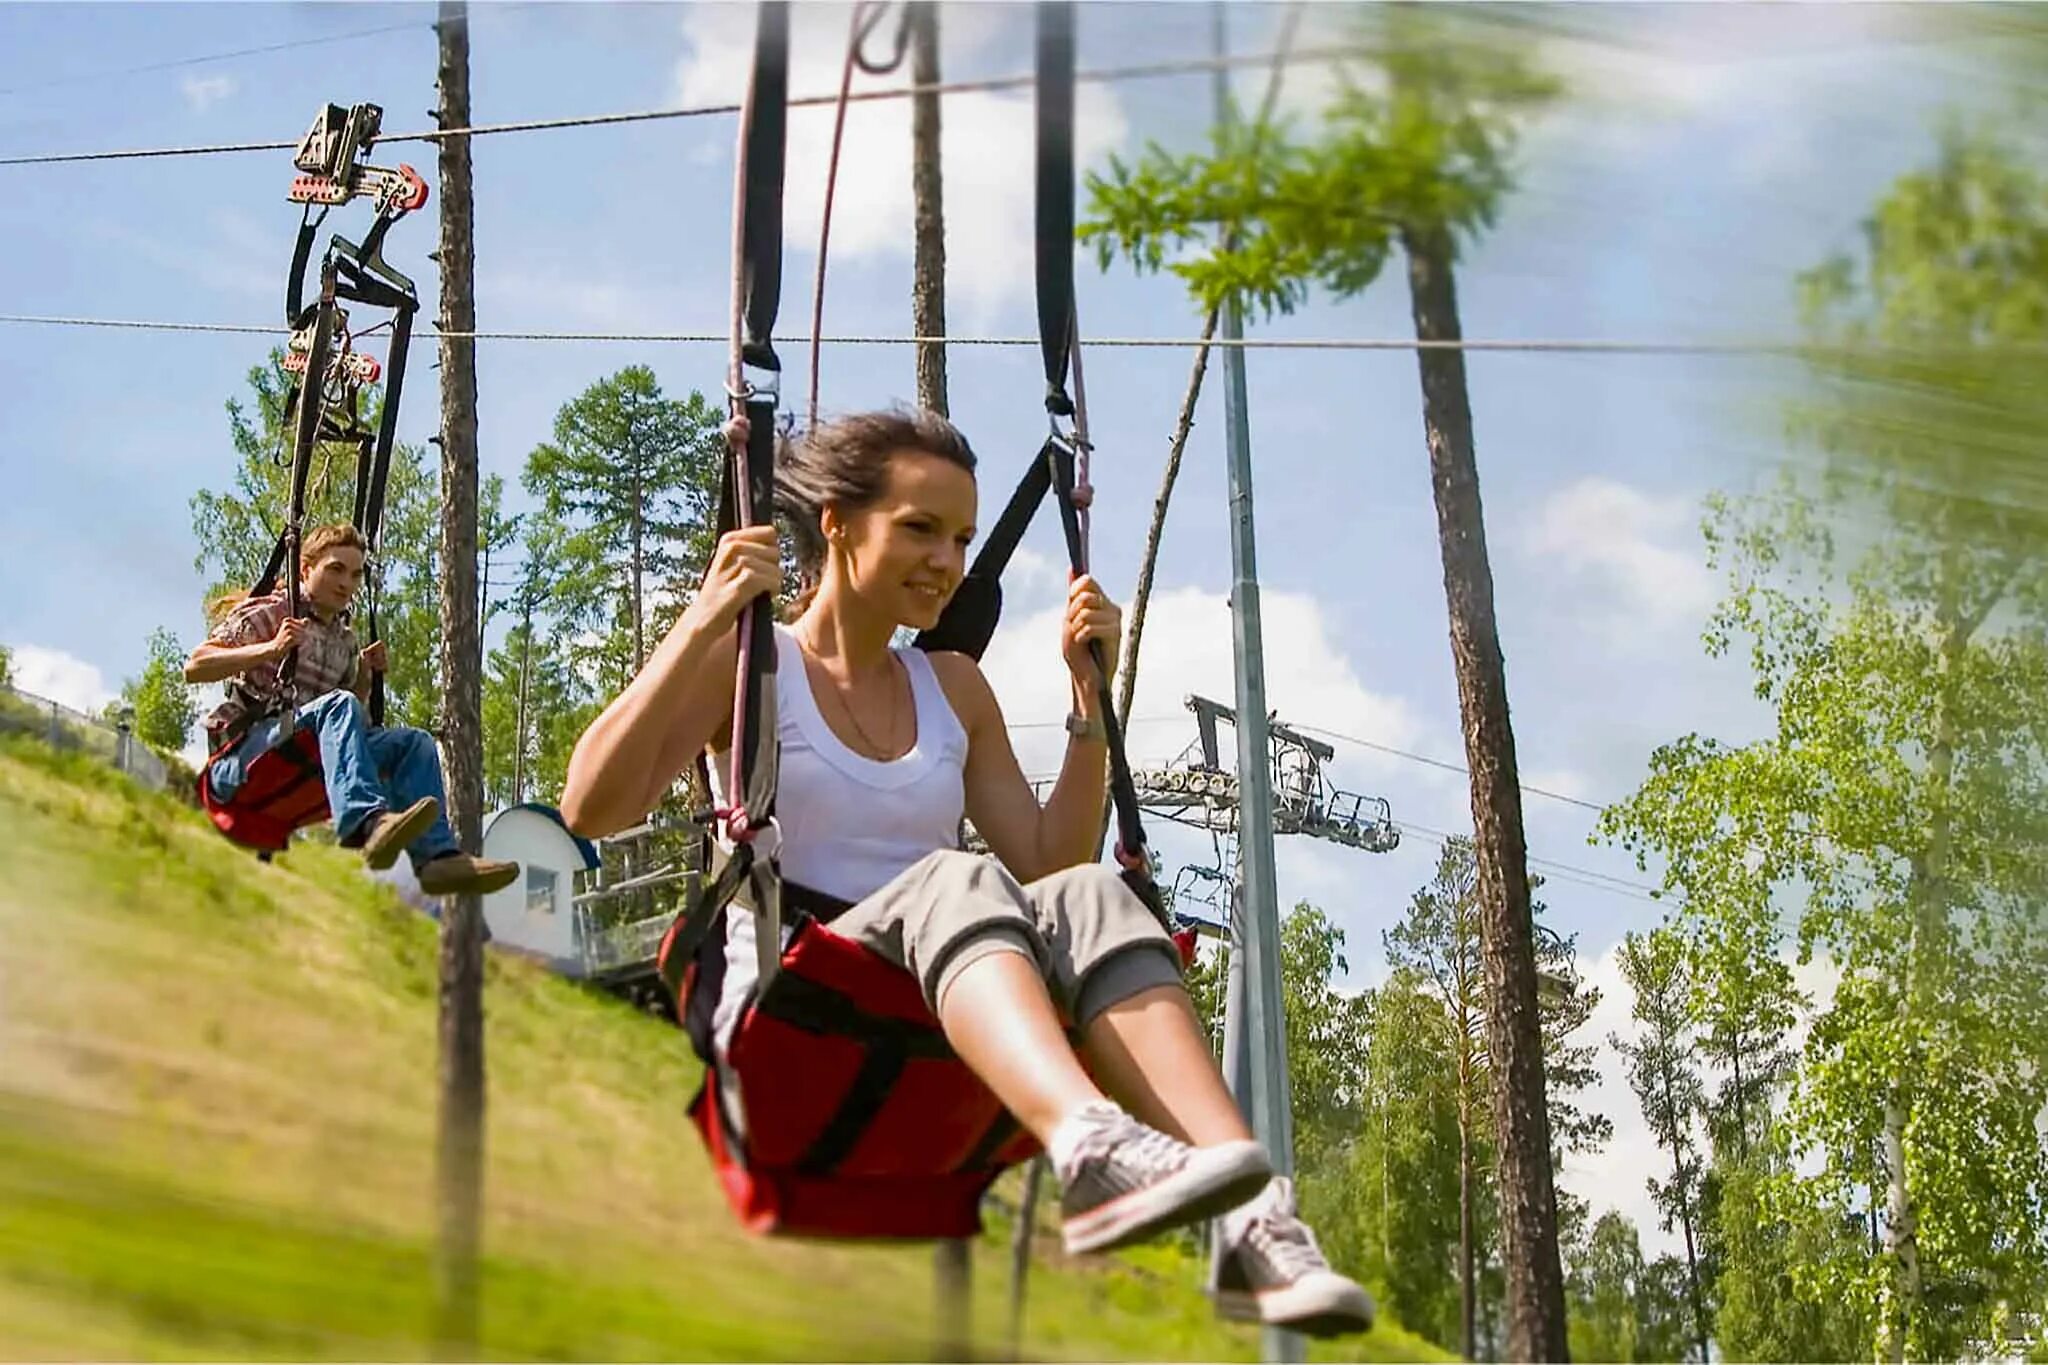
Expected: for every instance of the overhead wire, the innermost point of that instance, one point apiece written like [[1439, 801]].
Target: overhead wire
[[1099, 75], [206, 59], [1551, 345]]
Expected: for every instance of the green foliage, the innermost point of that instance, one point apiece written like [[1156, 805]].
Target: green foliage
[[1158, 210], [1430, 1075], [6, 666], [1667, 1085], [160, 700], [1768, 1235], [1439, 940], [1603, 1284], [1419, 142], [1399, 1190], [237, 527], [629, 486], [1326, 1037], [1897, 818]]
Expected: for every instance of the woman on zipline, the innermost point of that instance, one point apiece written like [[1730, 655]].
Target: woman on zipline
[[384, 787], [882, 749]]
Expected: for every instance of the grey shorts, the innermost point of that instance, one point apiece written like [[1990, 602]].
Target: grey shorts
[[1093, 940]]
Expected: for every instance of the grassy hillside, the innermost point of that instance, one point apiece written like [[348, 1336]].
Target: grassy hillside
[[217, 1123]]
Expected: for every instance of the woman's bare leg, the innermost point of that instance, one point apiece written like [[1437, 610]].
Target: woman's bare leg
[[1148, 1053], [999, 1017]]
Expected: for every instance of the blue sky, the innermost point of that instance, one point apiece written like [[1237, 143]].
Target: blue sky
[[1709, 153]]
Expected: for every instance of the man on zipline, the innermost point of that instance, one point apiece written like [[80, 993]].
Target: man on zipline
[[384, 786]]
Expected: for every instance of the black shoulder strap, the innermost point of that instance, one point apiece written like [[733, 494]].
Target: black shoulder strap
[[1055, 203]]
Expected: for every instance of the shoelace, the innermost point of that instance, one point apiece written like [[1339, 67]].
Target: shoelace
[[1284, 1242], [1124, 1137]]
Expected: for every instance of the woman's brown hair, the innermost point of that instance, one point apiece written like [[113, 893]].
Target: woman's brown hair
[[844, 464]]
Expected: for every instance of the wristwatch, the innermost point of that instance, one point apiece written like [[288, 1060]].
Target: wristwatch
[[1086, 727]]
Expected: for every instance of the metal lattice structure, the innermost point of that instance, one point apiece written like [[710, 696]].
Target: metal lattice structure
[[1196, 789]]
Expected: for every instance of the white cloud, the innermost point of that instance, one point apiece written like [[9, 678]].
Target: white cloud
[[1187, 648], [1562, 781], [986, 148], [63, 678], [1622, 540], [203, 92]]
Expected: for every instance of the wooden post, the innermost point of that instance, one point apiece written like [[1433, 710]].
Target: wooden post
[[952, 1261], [928, 286], [459, 1173]]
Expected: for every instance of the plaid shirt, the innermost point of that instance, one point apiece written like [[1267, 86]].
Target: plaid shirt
[[328, 656]]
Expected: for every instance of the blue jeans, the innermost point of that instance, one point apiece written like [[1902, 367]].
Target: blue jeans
[[369, 769]]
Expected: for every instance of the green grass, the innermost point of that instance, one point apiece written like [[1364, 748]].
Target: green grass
[[217, 1137]]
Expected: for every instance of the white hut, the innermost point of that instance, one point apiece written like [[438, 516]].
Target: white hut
[[536, 913]]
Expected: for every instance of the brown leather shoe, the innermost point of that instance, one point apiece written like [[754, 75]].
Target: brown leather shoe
[[457, 873], [390, 833]]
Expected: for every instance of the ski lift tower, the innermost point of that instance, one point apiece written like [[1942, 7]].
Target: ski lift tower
[[1198, 791]]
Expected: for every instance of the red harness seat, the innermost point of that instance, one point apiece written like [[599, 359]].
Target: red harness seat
[[282, 790], [859, 1120]]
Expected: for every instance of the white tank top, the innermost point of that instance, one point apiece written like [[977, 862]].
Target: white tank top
[[850, 823]]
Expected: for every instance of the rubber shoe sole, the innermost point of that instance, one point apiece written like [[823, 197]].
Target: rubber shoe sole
[[398, 829], [1214, 1181], [1322, 1304], [478, 877]]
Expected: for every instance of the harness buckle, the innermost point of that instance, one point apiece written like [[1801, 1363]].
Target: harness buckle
[[756, 382]]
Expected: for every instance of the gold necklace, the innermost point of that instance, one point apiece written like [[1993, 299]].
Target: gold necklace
[[875, 751]]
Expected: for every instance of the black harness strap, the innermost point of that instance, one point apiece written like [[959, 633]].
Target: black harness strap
[[358, 274], [757, 286], [1055, 204], [750, 468], [305, 436], [969, 621]]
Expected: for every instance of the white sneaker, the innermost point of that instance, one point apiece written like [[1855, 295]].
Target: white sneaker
[[1123, 1181], [1272, 1272]]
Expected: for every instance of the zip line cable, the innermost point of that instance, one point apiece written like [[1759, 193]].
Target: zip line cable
[[1100, 75], [1553, 345]]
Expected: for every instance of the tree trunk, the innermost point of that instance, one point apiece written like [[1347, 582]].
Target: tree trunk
[[1901, 1235], [1134, 634], [928, 286], [519, 726], [461, 1135], [1535, 1279], [1467, 1304], [1741, 1106], [953, 1260], [1928, 892], [1692, 1262], [1020, 1250], [639, 637], [1681, 1186]]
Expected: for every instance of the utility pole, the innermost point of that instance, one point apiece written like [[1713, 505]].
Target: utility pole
[[1264, 1024], [459, 1153], [952, 1260]]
